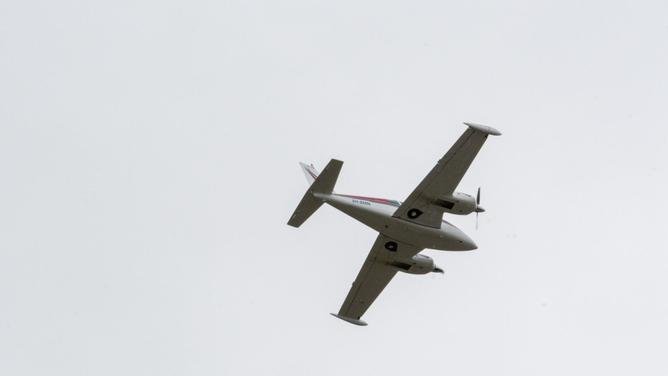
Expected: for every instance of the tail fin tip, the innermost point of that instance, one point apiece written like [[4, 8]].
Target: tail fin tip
[[309, 171]]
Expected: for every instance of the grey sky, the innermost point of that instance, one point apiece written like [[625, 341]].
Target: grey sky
[[149, 149]]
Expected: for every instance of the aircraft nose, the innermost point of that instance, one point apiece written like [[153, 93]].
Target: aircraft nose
[[464, 242]]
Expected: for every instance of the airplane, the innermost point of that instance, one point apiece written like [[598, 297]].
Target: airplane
[[404, 228]]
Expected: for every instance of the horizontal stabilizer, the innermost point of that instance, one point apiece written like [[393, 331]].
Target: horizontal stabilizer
[[307, 206]]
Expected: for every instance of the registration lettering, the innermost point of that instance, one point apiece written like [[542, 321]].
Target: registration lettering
[[361, 202]]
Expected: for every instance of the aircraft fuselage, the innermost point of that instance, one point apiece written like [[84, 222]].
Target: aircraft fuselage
[[377, 214]]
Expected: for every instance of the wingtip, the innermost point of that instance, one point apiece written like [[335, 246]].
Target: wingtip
[[483, 128], [350, 320]]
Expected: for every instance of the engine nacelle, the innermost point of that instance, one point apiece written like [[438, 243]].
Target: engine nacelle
[[457, 203], [418, 264]]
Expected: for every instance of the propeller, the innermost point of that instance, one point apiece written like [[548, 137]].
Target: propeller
[[478, 208]]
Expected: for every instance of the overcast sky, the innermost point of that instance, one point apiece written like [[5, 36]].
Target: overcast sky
[[148, 157]]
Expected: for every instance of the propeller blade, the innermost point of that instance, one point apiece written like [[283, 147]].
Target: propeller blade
[[478, 208]]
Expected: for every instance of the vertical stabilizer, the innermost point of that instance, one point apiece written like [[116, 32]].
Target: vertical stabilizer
[[310, 172]]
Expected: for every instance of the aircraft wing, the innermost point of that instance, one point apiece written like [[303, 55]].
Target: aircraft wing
[[444, 177], [372, 278]]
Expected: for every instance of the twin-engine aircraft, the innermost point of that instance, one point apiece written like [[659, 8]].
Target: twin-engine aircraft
[[405, 228]]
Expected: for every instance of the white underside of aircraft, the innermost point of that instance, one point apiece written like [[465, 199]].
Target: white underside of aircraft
[[404, 228]]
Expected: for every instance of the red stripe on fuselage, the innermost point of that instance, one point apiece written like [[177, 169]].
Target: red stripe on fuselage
[[383, 201]]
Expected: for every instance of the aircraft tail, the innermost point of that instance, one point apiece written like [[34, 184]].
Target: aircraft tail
[[320, 184], [310, 172]]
